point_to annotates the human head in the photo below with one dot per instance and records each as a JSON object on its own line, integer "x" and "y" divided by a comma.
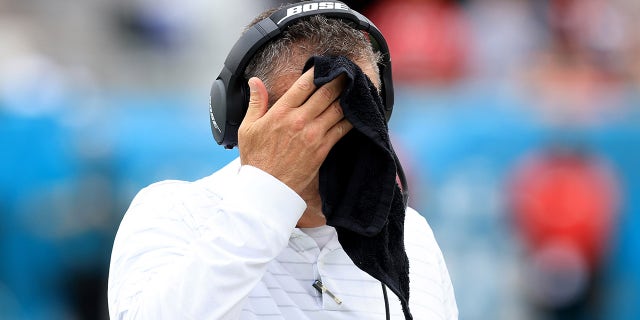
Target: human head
{"x": 316, "y": 35}
{"x": 291, "y": 36}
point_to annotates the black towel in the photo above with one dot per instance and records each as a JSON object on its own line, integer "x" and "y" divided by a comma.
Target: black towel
{"x": 360, "y": 195}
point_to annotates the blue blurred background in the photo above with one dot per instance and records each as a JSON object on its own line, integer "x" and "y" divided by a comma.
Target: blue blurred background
{"x": 517, "y": 121}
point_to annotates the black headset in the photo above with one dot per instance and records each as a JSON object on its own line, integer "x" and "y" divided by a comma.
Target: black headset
{"x": 229, "y": 98}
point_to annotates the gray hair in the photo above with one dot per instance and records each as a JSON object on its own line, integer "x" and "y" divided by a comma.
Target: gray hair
{"x": 316, "y": 35}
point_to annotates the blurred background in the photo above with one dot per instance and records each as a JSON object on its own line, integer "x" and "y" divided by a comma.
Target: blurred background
{"x": 517, "y": 120}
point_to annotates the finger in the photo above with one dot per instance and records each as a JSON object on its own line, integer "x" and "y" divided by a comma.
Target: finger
{"x": 322, "y": 99}
{"x": 337, "y": 132}
{"x": 330, "y": 116}
{"x": 258, "y": 100}
{"x": 299, "y": 91}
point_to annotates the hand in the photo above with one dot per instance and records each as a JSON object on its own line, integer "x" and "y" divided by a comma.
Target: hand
{"x": 291, "y": 139}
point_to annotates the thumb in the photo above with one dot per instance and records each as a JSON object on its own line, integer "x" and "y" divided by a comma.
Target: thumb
{"x": 258, "y": 100}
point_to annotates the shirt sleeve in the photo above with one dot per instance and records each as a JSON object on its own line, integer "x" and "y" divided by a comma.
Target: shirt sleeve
{"x": 431, "y": 289}
{"x": 184, "y": 252}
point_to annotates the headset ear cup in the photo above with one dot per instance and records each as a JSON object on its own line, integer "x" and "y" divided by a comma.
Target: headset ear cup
{"x": 218, "y": 110}
{"x": 387, "y": 85}
{"x": 245, "y": 93}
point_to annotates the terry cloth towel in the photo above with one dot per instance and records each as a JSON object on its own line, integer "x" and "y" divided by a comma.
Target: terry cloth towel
{"x": 358, "y": 188}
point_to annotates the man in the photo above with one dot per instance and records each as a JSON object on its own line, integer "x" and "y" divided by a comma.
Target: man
{"x": 251, "y": 240}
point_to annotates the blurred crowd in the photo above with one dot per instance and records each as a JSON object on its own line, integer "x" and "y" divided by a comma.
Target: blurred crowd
{"x": 518, "y": 121}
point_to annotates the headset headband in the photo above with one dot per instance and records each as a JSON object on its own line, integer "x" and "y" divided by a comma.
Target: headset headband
{"x": 230, "y": 94}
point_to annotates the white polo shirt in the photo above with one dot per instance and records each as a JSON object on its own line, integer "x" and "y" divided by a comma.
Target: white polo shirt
{"x": 226, "y": 247}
